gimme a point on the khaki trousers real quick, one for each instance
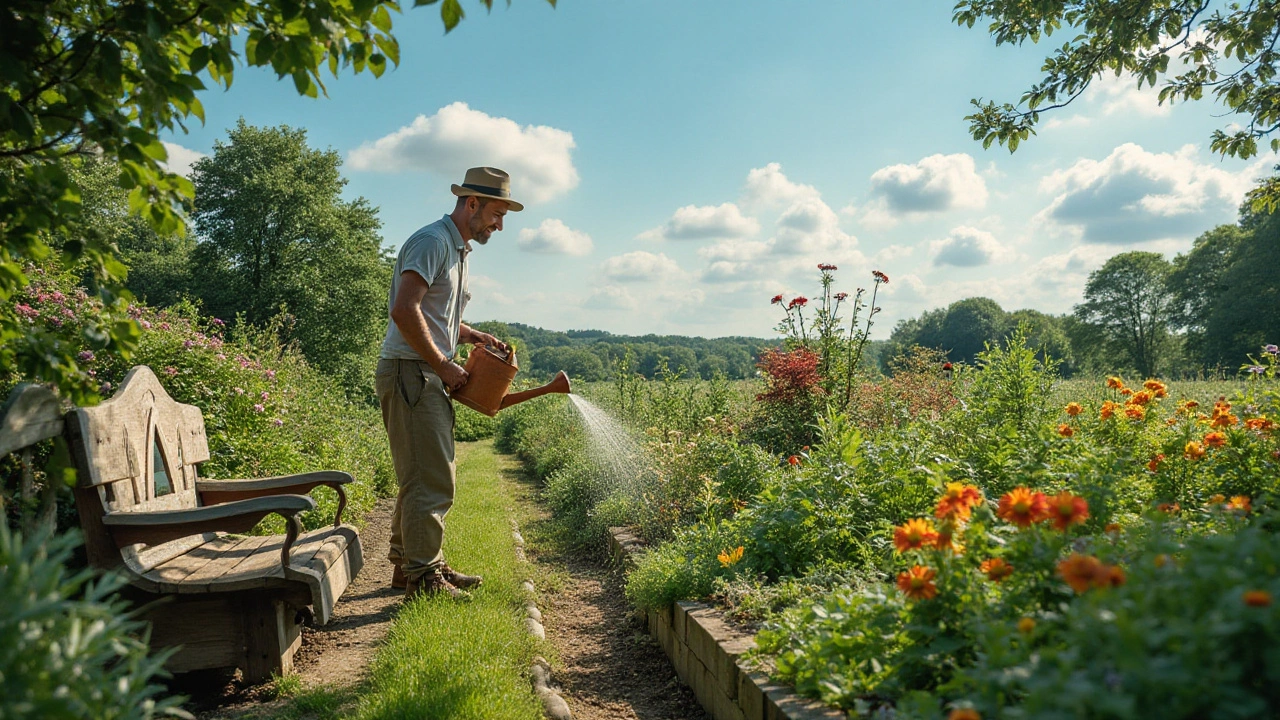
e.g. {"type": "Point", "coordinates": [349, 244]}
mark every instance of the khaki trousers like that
{"type": "Point", "coordinates": [418, 415]}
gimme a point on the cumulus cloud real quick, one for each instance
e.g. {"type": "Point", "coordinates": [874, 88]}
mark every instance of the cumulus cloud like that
{"type": "Point", "coordinates": [181, 158]}
{"type": "Point", "coordinates": [1122, 95]}
{"type": "Point", "coordinates": [769, 187]}
{"type": "Point", "coordinates": [458, 137]}
{"type": "Point", "coordinates": [640, 266]}
{"type": "Point", "coordinates": [1134, 196]}
{"type": "Point", "coordinates": [810, 226]}
{"type": "Point", "coordinates": [553, 237]}
{"type": "Point", "coordinates": [967, 247]}
{"type": "Point", "coordinates": [935, 184]}
{"type": "Point", "coordinates": [610, 297]}
{"type": "Point", "coordinates": [701, 223]}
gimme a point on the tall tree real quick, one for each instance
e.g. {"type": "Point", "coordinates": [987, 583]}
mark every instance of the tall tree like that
{"type": "Point", "coordinates": [1227, 50]}
{"type": "Point", "coordinates": [1129, 301]}
{"type": "Point", "coordinates": [276, 236]}
{"type": "Point", "coordinates": [1246, 311]}
{"type": "Point", "coordinates": [1197, 284]}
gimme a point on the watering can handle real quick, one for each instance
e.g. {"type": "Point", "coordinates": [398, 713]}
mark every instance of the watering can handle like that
{"type": "Point", "coordinates": [509, 357]}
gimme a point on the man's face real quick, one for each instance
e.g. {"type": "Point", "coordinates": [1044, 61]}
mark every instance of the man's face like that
{"type": "Point", "coordinates": [487, 220]}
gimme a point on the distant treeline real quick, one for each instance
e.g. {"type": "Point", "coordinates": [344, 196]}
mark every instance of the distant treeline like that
{"type": "Point", "coordinates": [594, 354]}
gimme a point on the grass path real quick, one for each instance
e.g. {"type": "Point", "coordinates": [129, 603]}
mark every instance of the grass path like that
{"type": "Point", "coordinates": [444, 658]}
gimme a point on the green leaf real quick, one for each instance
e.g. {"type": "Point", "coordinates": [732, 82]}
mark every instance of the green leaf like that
{"type": "Point", "coordinates": [381, 19]}
{"type": "Point", "coordinates": [451, 13]}
{"type": "Point", "coordinates": [199, 59]}
{"type": "Point", "coordinates": [302, 81]}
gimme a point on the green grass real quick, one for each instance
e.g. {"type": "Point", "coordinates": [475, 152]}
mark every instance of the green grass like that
{"type": "Point", "coordinates": [444, 658]}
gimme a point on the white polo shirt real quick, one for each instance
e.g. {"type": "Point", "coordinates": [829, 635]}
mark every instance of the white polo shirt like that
{"type": "Point", "coordinates": [438, 253]}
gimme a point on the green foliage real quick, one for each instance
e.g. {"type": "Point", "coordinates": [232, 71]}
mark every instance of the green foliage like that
{"type": "Point", "coordinates": [276, 236]}
{"type": "Point", "coordinates": [1129, 300]}
{"type": "Point", "coordinates": [470, 425]}
{"type": "Point", "coordinates": [68, 647]}
{"type": "Point", "coordinates": [1228, 50]}
{"type": "Point", "coordinates": [963, 329]}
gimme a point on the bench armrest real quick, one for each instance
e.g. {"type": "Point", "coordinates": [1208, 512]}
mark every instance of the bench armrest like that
{"type": "Point", "coordinates": [216, 492]}
{"type": "Point", "coordinates": [153, 528]}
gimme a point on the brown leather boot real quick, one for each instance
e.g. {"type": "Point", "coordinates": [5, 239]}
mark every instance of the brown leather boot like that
{"type": "Point", "coordinates": [433, 583]}
{"type": "Point", "coordinates": [457, 579]}
{"type": "Point", "coordinates": [397, 578]}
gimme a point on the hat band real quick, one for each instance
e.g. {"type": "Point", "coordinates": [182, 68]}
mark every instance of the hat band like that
{"type": "Point", "coordinates": [500, 192]}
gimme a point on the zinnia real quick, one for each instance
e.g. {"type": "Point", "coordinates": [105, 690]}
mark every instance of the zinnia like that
{"type": "Point", "coordinates": [1068, 509]}
{"type": "Point", "coordinates": [1135, 412]}
{"type": "Point", "coordinates": [1066, 430]}
{"type": "Point", "coordinates": [914, 535]}
{"type": "Point", "coordinates": [1215, 440]}
{"type": "Point", "coordinates": [944, 539]}
{"type": "Point", "coordinates": [958, 501]}
{"type": "Point", "coordinates": [1140, 398]}
{"type": "Point", "coordinates": [1022, 507]}
{"type": "Point", "coordinates": [917, 583]}
{"type": "Point", "coordinates": [1074, 409]}
{"type": "Point", "coordinates": [996, 569]}
{"type": "Point", "coordinates": [1115, 383]}
{"type": "Point", "coordinates": [1108, 409]}
{"type": "Point", "coordinates": [1082, 572]}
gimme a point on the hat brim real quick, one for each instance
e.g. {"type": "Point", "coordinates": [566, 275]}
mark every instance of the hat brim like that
{"type": "Point", "coordinates": [460, 191]}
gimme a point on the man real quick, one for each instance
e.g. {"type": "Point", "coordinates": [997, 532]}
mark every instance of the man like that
{"type": "Point", "coordinates": [416, 373]}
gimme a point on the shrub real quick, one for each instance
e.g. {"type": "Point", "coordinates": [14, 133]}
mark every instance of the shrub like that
{"type": "Point", "coordinates": [470, 425]}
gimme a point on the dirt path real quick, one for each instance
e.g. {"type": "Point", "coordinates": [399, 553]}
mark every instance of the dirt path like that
{"type": "Point", "coordinates": [609, 668]}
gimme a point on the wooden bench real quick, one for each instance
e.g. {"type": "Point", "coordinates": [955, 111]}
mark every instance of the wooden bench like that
{"type": "Point", "coordinates": [224, 599]}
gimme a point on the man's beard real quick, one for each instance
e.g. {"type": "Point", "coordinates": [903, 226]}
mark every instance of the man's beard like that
{"type": "Point", "coordinates": [481, 235]}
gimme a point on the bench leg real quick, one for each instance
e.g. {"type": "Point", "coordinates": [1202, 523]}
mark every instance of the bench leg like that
{"type": "Point", "coordinates": [271, 638]}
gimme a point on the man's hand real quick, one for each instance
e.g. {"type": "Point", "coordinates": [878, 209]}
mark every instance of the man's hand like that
{"type": "Point", "coordinates": [452, 374]}
{"type": "Point", "coordinates": [484, 338]}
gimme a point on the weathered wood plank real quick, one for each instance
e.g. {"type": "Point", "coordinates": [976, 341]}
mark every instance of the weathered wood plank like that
{"type": "Point", "coordinates": [200, 580]}
{"type": "Point", "coordinates": [31, 413]}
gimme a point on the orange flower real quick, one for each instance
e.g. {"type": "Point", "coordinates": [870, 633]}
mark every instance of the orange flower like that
{"type": "Point", "coordinates": [1260, 424]}
{"type": "Point", "coordinates": [1026, 625]}
{"type": "Point", "coordinates": [1215, 440]}
{"type": "Point", "coordinates": [914, 535]}
{"type": "Point", "coordinates": [1224, 420]}
{"type": "Point", "coordinates": [1171, 421]}
{"type": "Point", "coordinates": [1115, 383]}
{"type": "Point", "coordinates": [1188, 406]}
{"type": "Point", "coordinates": [1080, 571]}
{"type": "Point", "coordinates": [945, 538]}
{"type": "Point", "coordinates": [1257, 598]}
{"type": "Point", "coordinates": [1126, 392]}
{"type": "Point", "coordinates": [1157, 388]}
{"type": "Point", "coordinates": [1241, 503]}
{"type": "Point", "coordinates": [730, 557]}
{"type": "Point", "coordinates": [917, 583]}
{"type": "Point", "coordinates": [1154, 465]}
{"type": "Point", "coordinates": [957, 501]}
{"type": "Point", "coordinates": [1112, 528]}
{"type": "Point", "coordinates": [794, 460]}
{"type": "Point", "coordinates": [1108, 409]}
{"type": "Point", "coordinates": [1067, 509]}
{"type": "Point", "coordinates": [1140, 398]}
{"type": "Point", "coordinates": [1193, 451]}
{"type": "Point", "coordinates": [1022, 507]}
{"type": "Point", "coordinates": [996, 569]}
{"type": "Point", "coordinates": [964, 714]}
{"type": "Point", "coordinates": [1169, 508]}
{"type": "Point", "coordinates": [1066, 430]}
{"type": "Point", "coordinates": [1111, 576]}
{"type": "Point", "coordinates": [1074, 409]}
{"type": "Point", "coordinates": [1135, 412]}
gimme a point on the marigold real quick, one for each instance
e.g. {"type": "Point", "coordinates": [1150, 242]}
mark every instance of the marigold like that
{"type": "Point", "coordinates": [1080, 571]}
{"type": "Point", "coordinates": [964, 714]}
{"type": "Point", "coordinates": [1217, 499]}
{"type": "Point", "coordinates": [1224, 420]}
{"type": "Point", "coordinates": [1026, 625]}
{"type": "Point", "coordinates": [1193, 451]}
{"type": "Point", "coordinates": [917, 583]}
{"type": "Point", "coordinates": [1108, 409]}
{"type": "Point", "coordinates": [1115, 383]}
{"type": "Point", "coordinates": [1074, 408]}
{"type": "Point", "coordinates": [1112, 528]}
{"type": "Point", "coordinates": [1169, 508]}
{"type": "Point", "coordinates": [1135, 412]}
{"type": "Point", "coordinates": [1142, 397]}
{"type": "Point", "coordinates": [1215, 440]}
{"type": "Point", "coordinates": [1260, 424]}
{"type": "Point", "coordinates": [1126, 392]}
{"type": "Point", "coordinates": [1188, 406]}
{"type": "Point", "coordinates": [914, 535]}
{"type": "Point", "coordinates": [1257, 598]}
{"type": "Point", "coordinates": [996, 569]}
{"type": "Point", "coordinates": [1022, 507]}
{"type": "Point", "coordinates": [957, 501]}
{"type": "Point", "coordinates": [1066, 430]}
{"type": "Point", "coordinates": [945, 539]}
{"type": "Point", "coordinates": [1068, 509]}
{"type": "Point", "coordinates": [1111, 576]}
{"type": "Point", "coordinates": [1154, 465]}
{"type": "Point", "coordinates": [1241, 503]}
{"type": "Point", "coordinates": [730, 557]}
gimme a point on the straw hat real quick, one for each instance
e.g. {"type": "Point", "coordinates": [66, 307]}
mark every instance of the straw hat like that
{"type": "Point", "coordinates": [487, 182]}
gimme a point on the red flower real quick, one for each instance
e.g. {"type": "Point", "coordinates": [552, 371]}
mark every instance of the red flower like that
{"type": "Point", "coordinates": [827, 267]}
{"type": "Point", "coordinates": [946, 366]}
{"type": "Point", "coordinates": [777, 299]}
{"type": "Point", "coordinates": [798, 302]}
{"type": "Point", "coordinates": [791, 375]}
{"type": "Point", "coordinates": [880, 277]}
{"type": "Point", "coordinates": [793, 460]}
{"type": "Point", "coordinates": [841, 295]}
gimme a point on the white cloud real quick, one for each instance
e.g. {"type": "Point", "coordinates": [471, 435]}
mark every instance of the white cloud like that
{"type": "Point", "coordinates": [1135, 196]}
{"type": "Point", "coordinates": [700, 223]}
{"type": "Point", "coordinates": [1122, 95]}
{"type": "Point", "coordinates": [553, 237]}
{"type": "Point", "coordinates": [610, 297]}
{"type": "Point", "coordinates": [810, 226]}
{"type": "Point", "coordinates": [457, 137]}
{"type": "Point", "coordinates": [769, 187]}
{"type": "Point", "coordinates": [967, 247]}
{"type": "Point", "coordinates": [181, 158]}
{"type": "Point", "coordinates": [935, 184]}
{"type": "Point", "coordinates": [1072, 121]}
{"type": "Point", "coordinates": [640, 266]}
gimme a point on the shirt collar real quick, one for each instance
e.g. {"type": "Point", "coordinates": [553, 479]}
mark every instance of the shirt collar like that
{"type": "Point", "coordinates": [458, 242]}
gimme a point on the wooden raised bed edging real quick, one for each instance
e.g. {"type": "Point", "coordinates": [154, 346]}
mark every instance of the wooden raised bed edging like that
{"type": "Point", "coordinates": [706, 652]}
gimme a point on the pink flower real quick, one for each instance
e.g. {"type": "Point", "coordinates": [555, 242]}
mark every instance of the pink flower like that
{"type": "Point", "coordinates": [841, 295]}
{"type": "Point", "coordinates": [58, 297]}
{"type": "Point", "coordinates": [277, 422]}
{"type": "Point", "coordinates": [171, 371]}
{"type": "Point", "coordinates": [265, 396]}
{"type": "Point", "coordinates": [258, 407]}
{"type": "Point", "coordinates": [164, 326]}
{"type": "Point", "coordinates": [239, 391]}
{"type": "Point", "coordinates": [188, 344]}
{"type": "Point", "coordinates": [26, 311]}
{"type": "Point", "coordinates": [146, 325]}
{"type": "Point", "coordinates": [68, 312]}
{"type": "Point", "coordinates": [218, 322]}
{"type": "Point", "coordinates": [104, 388]}
{"type": "Point", "coordinates": [135, 312]}
{"type": "Point", "coordinates": [220, 356]}
{"type": "Point", "coordinates": [86, 356]}
{"type": "Point", "coordinates": [271, 375]}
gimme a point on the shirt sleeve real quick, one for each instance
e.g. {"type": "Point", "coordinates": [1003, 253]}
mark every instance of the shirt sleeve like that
{"type": "Point", "coordinates": [428, 256]}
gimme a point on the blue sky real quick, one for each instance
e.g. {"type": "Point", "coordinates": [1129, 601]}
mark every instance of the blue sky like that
{"type": "Point", "coordinates": [682, 162]}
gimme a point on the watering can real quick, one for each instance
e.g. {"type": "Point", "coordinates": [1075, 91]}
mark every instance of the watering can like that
{"type": "Point", "coordinates": [489, 375]}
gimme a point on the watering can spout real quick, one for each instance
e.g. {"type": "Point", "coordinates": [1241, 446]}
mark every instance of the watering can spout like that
{"type": "Point", "coordinates": [558, 384]}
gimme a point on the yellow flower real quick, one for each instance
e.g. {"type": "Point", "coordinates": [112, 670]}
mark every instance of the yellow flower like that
{"type": "Point", "coordinates": [730, 557]}
{"type": "Point", "coordinates": [1026, 625]}
{"type": "Point", "coordinates": [1193, 451]}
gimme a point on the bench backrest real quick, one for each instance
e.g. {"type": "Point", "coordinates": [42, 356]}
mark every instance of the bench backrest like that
{"type": "Point", "coordinates": [136, 452]}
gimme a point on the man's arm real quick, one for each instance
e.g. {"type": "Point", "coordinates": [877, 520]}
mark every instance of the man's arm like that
{"type": "Point", "coordinates": [406, 313]}
{"type": "Point", "coordinates": [467, 334]}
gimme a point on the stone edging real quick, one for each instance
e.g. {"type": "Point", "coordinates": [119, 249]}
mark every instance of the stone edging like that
{"type": "Point", "coordinates": [553, 706]}
{"type": "Point", "coordinates": [707, 654]}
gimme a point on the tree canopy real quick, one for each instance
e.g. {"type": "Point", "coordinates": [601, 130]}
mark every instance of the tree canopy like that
{"type": "Point", "coordinates": [1129, 300]}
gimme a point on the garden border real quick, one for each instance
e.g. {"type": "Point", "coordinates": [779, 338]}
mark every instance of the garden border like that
{"type": "Point", "coordinates": [707, 654]}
